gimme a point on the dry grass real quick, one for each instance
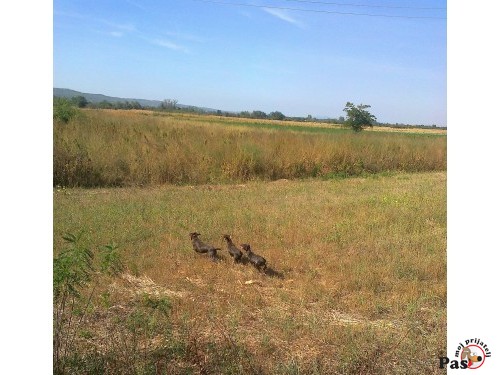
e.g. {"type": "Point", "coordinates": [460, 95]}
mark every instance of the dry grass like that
{"type": "Point", "coordinates": [137, 148]}
{"type": "Point", "coordinates": [202, 118]}
{"type": "Point", "coordinates": [356, 285]}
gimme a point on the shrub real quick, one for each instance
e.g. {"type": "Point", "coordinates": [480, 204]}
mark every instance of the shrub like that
{"type": "Point", "coordinates": [63, 110]}
{"type": "Point", "coordinates": [73, 271]}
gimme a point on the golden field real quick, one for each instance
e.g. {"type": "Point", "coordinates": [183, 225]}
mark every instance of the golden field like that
{"type": "Point", "coordinates": [102, 148]}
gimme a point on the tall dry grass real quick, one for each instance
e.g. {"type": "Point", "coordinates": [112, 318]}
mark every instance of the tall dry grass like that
{"type": "Point", "coordinates": [131, 148]}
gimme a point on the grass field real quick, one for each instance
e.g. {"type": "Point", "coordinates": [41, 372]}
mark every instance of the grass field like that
{"type": "Point", "coordinates": [103, 148]}
{"type": "Point", "coordinates": [356, 281]}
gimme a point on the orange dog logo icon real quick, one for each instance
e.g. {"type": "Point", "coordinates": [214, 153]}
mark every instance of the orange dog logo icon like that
{"type": "Point", "coordinates": [474, 355]}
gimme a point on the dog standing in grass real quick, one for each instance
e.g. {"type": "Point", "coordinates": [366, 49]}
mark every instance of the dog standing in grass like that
{"type": "Point", "coordinates": [201, 247]}
{"type": "Point", "coordinates": [233, 250]}
{"type": "Point", "coordinates": [258, 261]}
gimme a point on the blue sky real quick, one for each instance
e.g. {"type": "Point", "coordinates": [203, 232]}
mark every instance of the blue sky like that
{"type": "Point", "coordinates": [238, 58]}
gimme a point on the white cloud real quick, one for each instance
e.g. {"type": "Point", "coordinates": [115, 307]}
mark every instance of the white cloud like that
{"type": "Point", "coordinates": [283, 16]}
{"type": "Point", "coordinates": [136, 4]}
{"type": "Point", "coordinates": [89, 20]}
{"type": "Point", "coordinates": [168, 44]}
{"type": "Point", "coordinates": [124, 27]}
{"type": "Point", "coordinates": [245, 14]}
{"type": "Point", "coordinates": [187, 37]}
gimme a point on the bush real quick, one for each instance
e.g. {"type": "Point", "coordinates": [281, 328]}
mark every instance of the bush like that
{"type": "Point", "coordinates": [73, 272]}
{"type": "Point", "coordinates": [63, 110]}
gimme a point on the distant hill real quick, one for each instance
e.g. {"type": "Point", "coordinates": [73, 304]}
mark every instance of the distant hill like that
{"type": "Point", "coordinates": [96, 98]}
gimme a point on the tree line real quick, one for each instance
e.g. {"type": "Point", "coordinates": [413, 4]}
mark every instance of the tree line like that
{"type": "Point", "coordinates": [357, 116]}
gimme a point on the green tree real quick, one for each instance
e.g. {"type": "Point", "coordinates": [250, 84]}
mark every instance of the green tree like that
{"type": "Point", "coordinates": [136, 105]}
{"type": "Point", "coordinates": [105, 105]}
{"type": "Point", "coordinates": [358, 117]}
{"type": "Point", "coordinates": [259, 114]}
{"type": "Point", "coordinates": [277, 115]}
{"type": "Point", "coordinates": [80, 101]}
{"type": "Point", "coordinates": [169, 104]}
